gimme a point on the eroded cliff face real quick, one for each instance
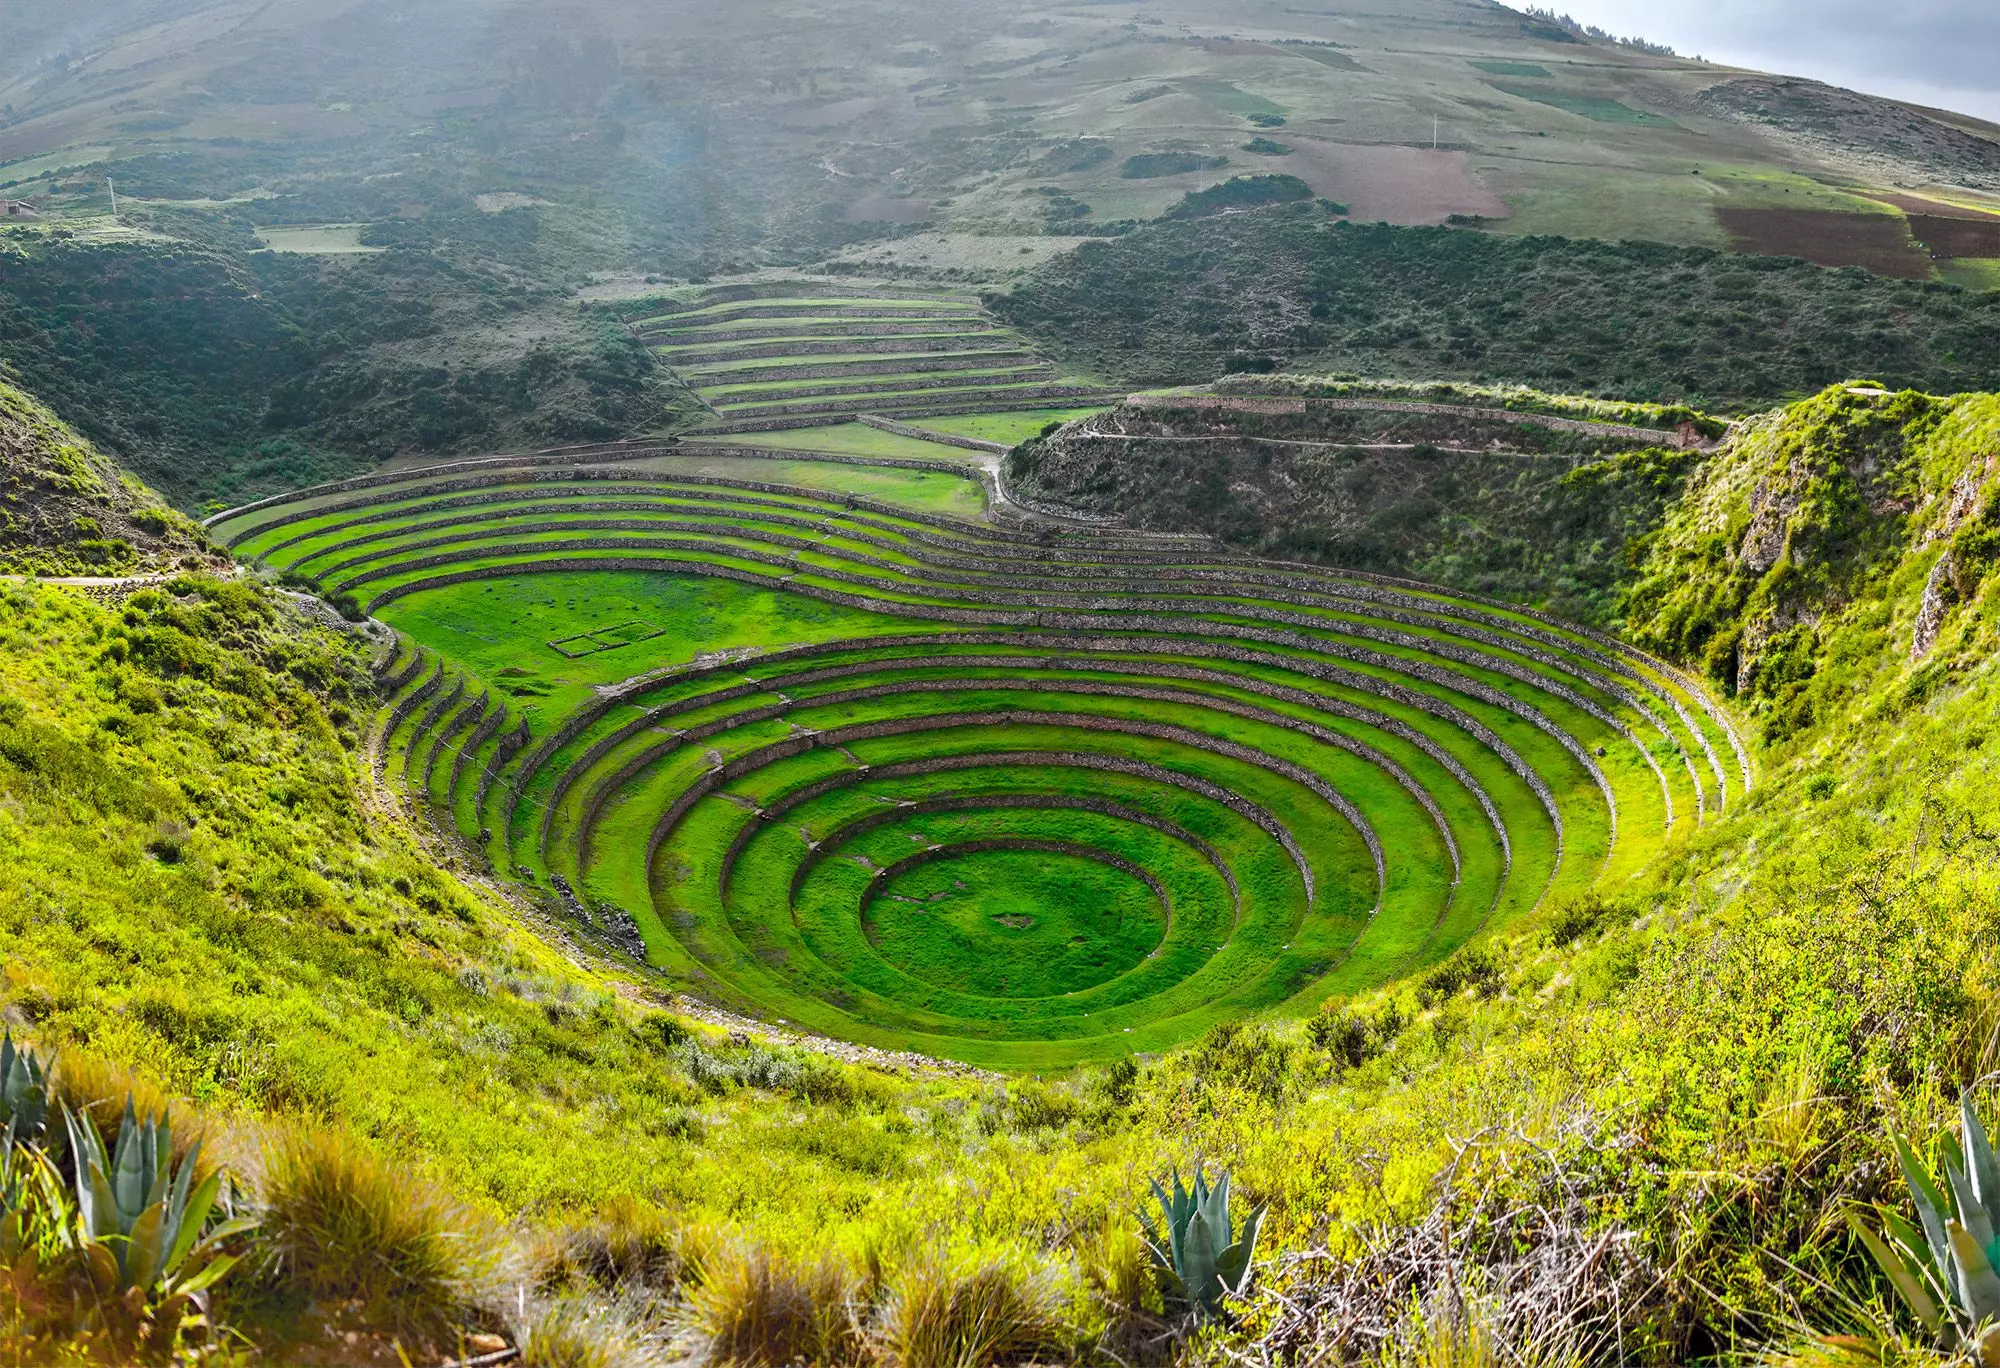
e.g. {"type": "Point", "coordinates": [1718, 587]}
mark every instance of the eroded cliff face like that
{"type": "Point", "coordinates": [1856, 508]}
{"type": "Point", "coordinates": [66, 509]}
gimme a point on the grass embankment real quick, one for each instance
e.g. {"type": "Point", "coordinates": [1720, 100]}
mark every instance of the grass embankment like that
{"type": "Point", "coordinates": [1479, 751]}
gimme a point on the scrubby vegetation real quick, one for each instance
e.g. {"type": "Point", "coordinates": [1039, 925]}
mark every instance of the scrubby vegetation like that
{"type": "Point", "coordinates": [215, 373]}
{"type": "Point", "coordinates": [1185, 301]}
{"type": "Point", "coordinates": [1468, 486]}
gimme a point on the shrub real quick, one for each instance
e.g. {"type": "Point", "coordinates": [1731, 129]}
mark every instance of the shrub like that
{"type": "Point", "coordinates": [1575, 918]}
{"type": "Point", "coordinates": [1473, 968]}
{"type": "Point", "coordinates": [1353, 1038]}
{"type": "Point", "coordinates": [628, 1243]}
{"type": "Point", "coordinates": [759, 1310]}
{"type": "Point", "coordinates": [1249, 1057]}
{"type": "Point", "coordinates": [1241, 192]}
{"type": "Point", "coordinates": [940, 1313]}
{"type": "Point", "coordinates": [342, 1227]}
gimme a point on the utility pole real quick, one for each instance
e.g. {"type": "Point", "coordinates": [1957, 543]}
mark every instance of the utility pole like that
{"type": "Point", "coordinates": [1434, 138]}
{"type": "Point", "coordinates": [114, 195]}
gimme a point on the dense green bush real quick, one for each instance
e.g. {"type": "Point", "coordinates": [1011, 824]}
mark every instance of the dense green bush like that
{"type": "Point", "coordinates": [1188, 300]}
{"type": "Point", "coordinates": [213, 372]}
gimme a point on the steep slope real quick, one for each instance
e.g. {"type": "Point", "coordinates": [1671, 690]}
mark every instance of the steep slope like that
{"type": "Point", "coordinates": [66, 510]}
{"type": "Point", "coordinates": [1503, 492]}
{"type": "Point", "coordinates": [214, 370]}
{"type": "Point", "coordinates": [1828, 545]}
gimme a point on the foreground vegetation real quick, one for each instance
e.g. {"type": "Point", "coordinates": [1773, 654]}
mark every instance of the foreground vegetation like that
{"type": "Point", "coordinates": [1628, 1128]}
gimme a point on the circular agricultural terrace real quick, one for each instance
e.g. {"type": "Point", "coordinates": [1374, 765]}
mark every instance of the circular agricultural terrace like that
{"type": "Point", "coordinates": [1019, 795]}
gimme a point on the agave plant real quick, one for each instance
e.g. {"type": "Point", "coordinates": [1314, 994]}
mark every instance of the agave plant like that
{"type": "Point", "coordinates": [140, 1222]}
{"type": "Point", "coordinates": [24, 1092]}
{"type": "Point", "coordinates": [1943, 1266]}
{"type": "Point", "coordinates": [1192, 1247]}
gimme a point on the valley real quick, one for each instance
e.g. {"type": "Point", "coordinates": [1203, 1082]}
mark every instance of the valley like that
{"type": "Point", "coordinates": [1124, 683]}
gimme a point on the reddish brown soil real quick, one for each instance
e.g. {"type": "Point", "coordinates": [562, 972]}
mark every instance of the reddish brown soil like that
{"type": "Point", "coordinates": [1957, 237]}
{"type": "Point", "coordinates": [1879, 242]}
{"type": "Point", "coordinates": [1390, 184]}
{"type": "Point", "coordinates": [1916, 204]}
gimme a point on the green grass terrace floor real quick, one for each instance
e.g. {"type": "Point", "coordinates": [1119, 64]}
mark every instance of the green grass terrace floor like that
{"type": "Point", "coordinates": [781, 350]}
{"type": "Point", "coordinates": [843, 752]}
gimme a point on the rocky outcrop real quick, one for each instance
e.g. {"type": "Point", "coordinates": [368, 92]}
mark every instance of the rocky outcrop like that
{"type": "Point", "coordinates": [1940, 593]}
{"type": "Point", "coordinates": [67, 509]}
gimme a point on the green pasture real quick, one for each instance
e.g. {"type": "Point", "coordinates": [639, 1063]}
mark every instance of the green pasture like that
{"type": "Point", "coordinates": [856, 439]}
{"type": "Point", "coordinates": [1596, 108]}
{"type": "Point", "coordinates": [1012, 428]}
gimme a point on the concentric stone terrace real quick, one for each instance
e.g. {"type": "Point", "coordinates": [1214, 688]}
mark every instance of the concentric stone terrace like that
{"type": "Point", "coordinates": [1013, 794]}
{"type": "Point", "coordinates": [772, 354]}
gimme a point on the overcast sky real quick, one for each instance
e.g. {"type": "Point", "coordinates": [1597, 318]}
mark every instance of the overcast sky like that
{"type": "Point", "coordinates": [1936, 52]}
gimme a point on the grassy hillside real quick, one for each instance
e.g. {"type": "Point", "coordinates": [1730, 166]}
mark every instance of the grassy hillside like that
{"type": "Point", "coordinates": [1658, 1098]}
{"type": "Point", "coordinates": [1292, 286]}
{"type": "Point", "coordinates": [846, 131]}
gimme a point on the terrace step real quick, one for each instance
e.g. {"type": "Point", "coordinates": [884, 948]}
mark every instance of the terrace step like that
{"type": "Point", "coordinates": [1329, 778]}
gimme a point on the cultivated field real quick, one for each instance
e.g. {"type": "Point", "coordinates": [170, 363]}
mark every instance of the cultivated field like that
{"type": "Point", "coordinates": [794, 352]}
{"type": "Point", "coordinates": [1012, 793]}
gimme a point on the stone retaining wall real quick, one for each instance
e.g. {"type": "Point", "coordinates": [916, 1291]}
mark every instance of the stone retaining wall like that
{"type": "Point", "coordinates": [494, 718]}
{"type": "Point", "coordinates": [982, 359]}
{"type": "Point", "coordinates": [464, 718]}
{"type": "Point", "coordinates": [931, 435]}
{"type": "Point", "coordinates": [422, 730]}
{"type": "Point", "coordinates": [607, 788]}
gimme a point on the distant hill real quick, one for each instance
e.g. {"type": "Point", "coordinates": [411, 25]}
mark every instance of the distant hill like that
{"type": "Point", "coordinates": [670, 137]}
{"type": "Point", "coordinates": [65, 509]}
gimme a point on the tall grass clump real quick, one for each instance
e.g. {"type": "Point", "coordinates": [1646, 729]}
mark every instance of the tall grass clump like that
{"type": "Point", "coordinates": [343, 1228]}
{"type": "Point", "coordinates": [757, 1309]}
{"type": "Point", "coordinates": [571, 1332]}
{"type": "Point", "coordinates": [967, 1313]}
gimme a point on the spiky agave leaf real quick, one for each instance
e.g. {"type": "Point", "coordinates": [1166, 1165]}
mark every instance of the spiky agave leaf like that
{"type": "Point", "coordinates": [1982, 1171]}
{"type": "Point", "coordinates": [1234, 1265]}
{"type": "Point", "coordinates": [1903, 1272]}
{"type": "Point", "coordinates": [1931, 1207]}
{"type": "Point", "coordinates": [24, 1089]}
{"type": "Point", "coordinates": [1980, 1286]}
